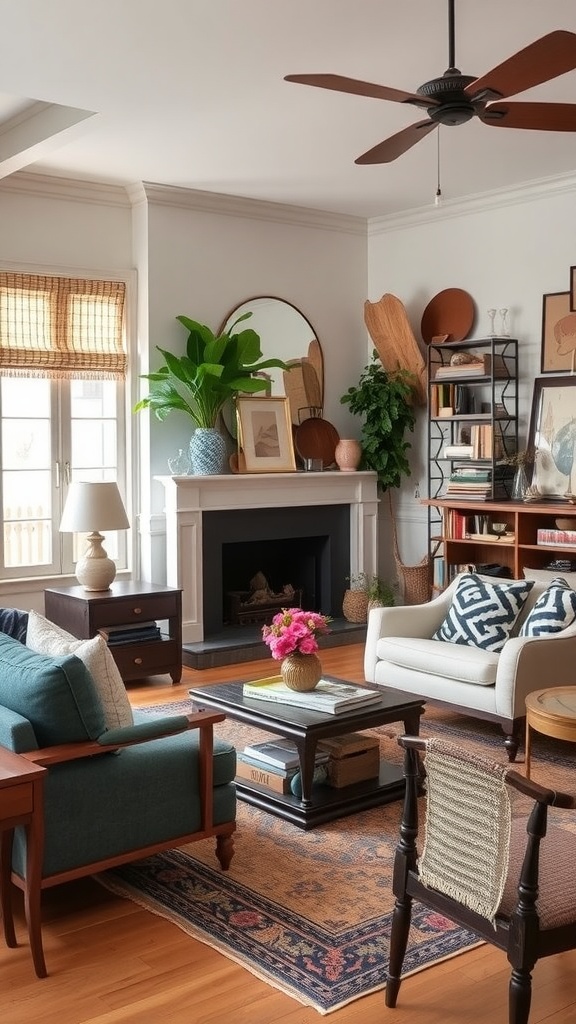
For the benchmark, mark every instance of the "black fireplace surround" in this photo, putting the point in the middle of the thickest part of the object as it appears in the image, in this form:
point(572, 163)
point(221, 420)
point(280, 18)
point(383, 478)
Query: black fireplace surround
point(308, 547)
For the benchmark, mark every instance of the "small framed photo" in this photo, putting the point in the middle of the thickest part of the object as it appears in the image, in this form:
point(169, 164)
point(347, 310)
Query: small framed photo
point(552, 437)
point(558, 333)
point(265, 434)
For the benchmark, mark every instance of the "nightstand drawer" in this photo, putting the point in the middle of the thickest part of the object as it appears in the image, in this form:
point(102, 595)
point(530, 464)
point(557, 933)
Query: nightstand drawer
point(135, 660)
point(16, 800)
point(130, 610)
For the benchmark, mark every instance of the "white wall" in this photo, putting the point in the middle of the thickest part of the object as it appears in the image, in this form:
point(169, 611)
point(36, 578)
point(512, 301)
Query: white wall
point(201, 254)
point(198, 254)
point(506, 250)
point(207, 254)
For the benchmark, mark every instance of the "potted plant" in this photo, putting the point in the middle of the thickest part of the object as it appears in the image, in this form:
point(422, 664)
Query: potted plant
point(366, 591)
point(212, 372)
point(384, 399)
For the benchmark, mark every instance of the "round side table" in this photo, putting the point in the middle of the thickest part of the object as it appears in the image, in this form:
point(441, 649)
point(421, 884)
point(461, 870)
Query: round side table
point(551, 712)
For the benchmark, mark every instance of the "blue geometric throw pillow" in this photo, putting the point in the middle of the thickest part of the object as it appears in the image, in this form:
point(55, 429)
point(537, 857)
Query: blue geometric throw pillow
point(483, 614)
point(554, 610)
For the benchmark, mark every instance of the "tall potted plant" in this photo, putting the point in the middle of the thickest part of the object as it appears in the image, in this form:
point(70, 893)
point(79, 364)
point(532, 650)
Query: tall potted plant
point(213, 371)
point(385, 400)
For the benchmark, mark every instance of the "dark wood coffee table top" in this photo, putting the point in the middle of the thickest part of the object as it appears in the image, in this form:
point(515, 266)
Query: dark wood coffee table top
point(306, 728)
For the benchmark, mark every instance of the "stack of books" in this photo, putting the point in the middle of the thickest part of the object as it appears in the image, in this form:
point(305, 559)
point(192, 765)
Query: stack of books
point(140, 632)
point(273, 764)
point(481, 367)
point(470, 483)
point(329, 697)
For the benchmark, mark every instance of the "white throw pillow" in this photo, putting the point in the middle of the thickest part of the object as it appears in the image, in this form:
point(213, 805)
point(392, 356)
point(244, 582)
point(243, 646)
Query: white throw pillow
point(547, 575)
point(45, 637)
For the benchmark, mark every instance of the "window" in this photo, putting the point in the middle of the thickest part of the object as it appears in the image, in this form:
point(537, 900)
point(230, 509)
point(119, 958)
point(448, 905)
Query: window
point(62, 411)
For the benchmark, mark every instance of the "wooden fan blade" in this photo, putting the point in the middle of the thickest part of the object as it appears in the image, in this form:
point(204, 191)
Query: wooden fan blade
point(397, 144)
point(541, 117)
point(358, 88)
point(549, 57)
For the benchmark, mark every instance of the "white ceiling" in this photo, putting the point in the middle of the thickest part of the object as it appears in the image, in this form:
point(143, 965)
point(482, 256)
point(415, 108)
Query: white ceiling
point(191, 93)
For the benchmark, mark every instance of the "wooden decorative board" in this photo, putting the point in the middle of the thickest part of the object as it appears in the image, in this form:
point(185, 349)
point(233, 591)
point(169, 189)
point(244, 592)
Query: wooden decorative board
point(390, 330)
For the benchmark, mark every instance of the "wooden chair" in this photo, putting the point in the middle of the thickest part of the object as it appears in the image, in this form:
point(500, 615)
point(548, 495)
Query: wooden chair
point(505, 875)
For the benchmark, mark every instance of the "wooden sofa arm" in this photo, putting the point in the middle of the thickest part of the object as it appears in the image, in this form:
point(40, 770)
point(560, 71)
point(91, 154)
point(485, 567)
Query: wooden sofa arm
point(203, 720)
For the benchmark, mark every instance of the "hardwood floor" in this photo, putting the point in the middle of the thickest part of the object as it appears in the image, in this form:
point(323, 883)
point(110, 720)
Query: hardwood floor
point(110, 962)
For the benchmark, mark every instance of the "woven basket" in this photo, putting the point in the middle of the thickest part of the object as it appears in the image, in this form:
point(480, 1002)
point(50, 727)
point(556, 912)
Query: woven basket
point(355, 606)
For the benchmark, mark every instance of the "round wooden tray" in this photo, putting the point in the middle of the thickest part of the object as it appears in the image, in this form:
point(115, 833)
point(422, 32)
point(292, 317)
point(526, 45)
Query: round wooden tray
point(451, 312)
point(316, 438)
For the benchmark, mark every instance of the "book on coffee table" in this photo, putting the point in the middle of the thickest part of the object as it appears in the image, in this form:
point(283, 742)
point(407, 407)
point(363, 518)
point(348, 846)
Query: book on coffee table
point(278, 754)
point(328, 697)
point(264, 776)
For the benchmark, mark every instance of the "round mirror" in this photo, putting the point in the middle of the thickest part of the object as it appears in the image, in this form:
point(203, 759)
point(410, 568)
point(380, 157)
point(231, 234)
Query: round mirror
point(286, 334)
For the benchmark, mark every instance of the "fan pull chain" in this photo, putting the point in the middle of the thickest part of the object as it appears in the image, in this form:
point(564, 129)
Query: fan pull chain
point(438, 196)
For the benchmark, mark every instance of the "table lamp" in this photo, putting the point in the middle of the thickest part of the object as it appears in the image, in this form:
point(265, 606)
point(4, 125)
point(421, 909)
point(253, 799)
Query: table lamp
point(91, 507)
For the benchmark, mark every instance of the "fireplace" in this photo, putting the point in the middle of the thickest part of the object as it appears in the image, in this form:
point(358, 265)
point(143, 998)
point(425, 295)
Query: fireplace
point(304, 547)
point(221, 530)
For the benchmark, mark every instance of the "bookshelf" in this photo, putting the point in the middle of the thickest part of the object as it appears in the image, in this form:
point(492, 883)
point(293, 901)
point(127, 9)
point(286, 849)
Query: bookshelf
point(466, 537)
point(472, 429)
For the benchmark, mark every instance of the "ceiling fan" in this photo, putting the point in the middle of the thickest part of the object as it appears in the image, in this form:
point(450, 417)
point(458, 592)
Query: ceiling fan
point(455, 98)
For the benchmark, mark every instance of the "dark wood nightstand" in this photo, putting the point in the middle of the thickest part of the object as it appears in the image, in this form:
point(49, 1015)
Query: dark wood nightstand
point(83, 613)
point(21, 803)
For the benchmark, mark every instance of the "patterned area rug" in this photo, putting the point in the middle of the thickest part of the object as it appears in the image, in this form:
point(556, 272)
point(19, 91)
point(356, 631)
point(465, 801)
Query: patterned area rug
point(310, 912)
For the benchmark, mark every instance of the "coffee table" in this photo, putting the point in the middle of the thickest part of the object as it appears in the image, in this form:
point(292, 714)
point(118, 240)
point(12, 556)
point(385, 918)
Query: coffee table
point(552, 712)
point(319, 803)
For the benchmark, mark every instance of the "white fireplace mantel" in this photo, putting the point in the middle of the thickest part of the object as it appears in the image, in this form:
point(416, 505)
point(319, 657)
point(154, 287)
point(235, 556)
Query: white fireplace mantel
point(189, 497)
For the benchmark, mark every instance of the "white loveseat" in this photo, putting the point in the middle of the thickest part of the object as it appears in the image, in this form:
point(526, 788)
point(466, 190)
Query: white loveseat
point(401, 653)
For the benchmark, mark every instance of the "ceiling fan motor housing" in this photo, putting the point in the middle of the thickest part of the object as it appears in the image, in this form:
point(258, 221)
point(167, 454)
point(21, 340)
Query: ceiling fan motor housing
point(451, 106)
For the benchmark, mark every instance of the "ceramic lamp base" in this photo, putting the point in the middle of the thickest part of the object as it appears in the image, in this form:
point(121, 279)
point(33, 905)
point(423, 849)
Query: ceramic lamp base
point(95, 571)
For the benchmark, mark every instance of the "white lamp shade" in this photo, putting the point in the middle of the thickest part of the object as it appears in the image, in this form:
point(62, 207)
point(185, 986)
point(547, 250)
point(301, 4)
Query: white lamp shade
point(93, 506)
point(90, 508)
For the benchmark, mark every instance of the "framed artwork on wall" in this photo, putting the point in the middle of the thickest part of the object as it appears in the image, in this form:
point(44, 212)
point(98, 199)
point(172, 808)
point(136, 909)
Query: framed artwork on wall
point(558, 333)
point(265, 434)
point(552, 437)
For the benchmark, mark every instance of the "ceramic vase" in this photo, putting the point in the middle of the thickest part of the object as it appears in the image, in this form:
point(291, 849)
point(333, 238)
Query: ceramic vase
point(207, 451)
point(348, 454)
point(301, 671)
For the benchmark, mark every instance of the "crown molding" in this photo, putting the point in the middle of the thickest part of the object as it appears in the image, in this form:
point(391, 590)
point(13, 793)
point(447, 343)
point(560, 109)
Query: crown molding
point(51, 186)
point(240, 206)
point(529, 192)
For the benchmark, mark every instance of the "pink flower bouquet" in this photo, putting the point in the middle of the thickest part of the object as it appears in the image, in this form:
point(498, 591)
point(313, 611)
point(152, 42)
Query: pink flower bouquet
point(294, 630)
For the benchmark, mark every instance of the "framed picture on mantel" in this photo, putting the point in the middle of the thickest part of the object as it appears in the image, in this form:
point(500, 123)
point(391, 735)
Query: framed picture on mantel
point(265, 435)
point(552, 437)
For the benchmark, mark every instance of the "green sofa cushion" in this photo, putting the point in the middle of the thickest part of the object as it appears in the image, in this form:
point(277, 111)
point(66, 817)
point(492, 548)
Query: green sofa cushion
point(110, 804)
point(56, 695)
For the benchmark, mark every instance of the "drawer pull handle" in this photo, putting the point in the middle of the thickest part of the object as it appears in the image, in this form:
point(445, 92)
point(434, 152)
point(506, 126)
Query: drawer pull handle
point(137, 661)
point(137, 611)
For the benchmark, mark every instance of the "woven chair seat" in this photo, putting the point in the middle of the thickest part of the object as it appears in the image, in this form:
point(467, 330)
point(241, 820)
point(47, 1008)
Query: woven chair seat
point(557, 876)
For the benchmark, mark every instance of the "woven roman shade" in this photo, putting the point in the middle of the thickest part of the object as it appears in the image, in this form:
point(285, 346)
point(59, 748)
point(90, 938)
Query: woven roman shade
point(61, 327)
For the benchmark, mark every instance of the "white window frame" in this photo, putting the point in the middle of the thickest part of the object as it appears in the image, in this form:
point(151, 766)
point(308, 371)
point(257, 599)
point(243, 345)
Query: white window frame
point(61, 571)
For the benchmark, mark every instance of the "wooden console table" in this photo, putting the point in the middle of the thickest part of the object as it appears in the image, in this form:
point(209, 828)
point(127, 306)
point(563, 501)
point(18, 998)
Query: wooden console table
point(21, 803)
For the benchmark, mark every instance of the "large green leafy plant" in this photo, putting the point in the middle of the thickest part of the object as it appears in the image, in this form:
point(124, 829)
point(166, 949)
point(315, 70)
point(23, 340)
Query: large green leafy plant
point(385, 400)
point(212, 372)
